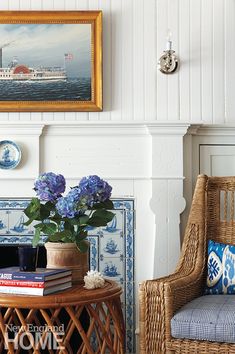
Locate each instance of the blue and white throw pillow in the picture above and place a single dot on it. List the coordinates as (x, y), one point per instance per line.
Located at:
(221, 268)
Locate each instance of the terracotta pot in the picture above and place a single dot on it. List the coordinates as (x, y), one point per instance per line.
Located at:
(67, 255)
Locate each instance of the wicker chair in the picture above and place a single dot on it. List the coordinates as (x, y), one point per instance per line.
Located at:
(212, 216)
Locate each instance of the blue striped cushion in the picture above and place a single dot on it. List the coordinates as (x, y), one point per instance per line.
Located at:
(209, 317)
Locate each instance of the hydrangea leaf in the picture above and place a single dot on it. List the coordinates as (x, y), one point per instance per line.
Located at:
(83, 220)
(48, 229)
(33, 209)
(60, 236)
(44, 212)
(68, 226)
(100, 217)
(75, 220)
(108, 204)
(82, 235)
(36, 237)
(83, 246)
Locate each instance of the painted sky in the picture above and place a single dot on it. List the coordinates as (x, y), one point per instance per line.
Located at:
(45, 45)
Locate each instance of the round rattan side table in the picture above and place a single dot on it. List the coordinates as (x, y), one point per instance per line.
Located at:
(73, 321)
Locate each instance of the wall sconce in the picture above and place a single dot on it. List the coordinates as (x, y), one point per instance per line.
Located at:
(168, 62)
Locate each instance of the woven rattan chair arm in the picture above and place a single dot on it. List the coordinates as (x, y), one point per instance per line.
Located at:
(158, 300)
(156, 285)
(152, 322)
(180, 291)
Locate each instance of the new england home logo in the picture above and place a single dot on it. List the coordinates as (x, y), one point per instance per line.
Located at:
(30, 336)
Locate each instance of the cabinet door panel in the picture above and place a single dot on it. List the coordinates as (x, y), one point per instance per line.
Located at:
(217, 160)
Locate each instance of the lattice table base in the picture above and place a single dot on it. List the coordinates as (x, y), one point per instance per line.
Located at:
(90, 327)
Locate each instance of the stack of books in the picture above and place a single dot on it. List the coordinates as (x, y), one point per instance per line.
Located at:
(41, 282)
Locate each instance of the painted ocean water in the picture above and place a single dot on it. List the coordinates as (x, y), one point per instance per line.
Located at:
(69, 90)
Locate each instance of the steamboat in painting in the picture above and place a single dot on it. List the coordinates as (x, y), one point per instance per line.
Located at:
(21, 72)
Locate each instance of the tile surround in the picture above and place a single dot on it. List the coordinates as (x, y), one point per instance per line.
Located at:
(112, 249)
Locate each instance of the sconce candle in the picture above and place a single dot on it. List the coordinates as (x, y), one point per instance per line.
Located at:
(169, 40)
(169, 45)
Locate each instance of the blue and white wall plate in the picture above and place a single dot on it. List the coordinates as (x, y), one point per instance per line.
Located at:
(10, 154)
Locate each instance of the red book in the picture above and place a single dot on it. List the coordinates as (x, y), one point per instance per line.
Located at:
(35, 284)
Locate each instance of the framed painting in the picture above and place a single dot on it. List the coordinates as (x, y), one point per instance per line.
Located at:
(50, 61)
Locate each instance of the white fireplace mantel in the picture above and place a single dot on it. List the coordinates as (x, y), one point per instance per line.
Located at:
(141, 159)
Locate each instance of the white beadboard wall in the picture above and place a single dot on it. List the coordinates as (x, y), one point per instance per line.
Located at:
(134, 37)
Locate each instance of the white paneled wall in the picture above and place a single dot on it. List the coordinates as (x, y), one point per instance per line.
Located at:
(134, 37)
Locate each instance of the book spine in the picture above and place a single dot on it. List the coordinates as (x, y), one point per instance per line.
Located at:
(27, 277)
(21, 290)
(21, 283)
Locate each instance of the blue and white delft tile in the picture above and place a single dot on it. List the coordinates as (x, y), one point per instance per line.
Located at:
(13, 239)
(4, 204)
(112, 245)
(130, 341)
(16, 223)
(121, 281)
(3, 240)
(18, 203)
(129, 321)
(118, 204)
(125, 204)
(4, 225)
(130, 269)
(129, 293)
(112, 268)
(116, 225)
(94, 252)
(129, 234)
(129, 204)
(23, 239)
(92, 230)
(130, 328)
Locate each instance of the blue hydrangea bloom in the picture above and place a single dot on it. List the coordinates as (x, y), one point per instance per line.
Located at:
(49, 186)
(91, 190)
(94, 189)
(67, 206)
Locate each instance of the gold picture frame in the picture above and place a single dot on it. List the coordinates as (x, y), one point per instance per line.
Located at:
(56, 64)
